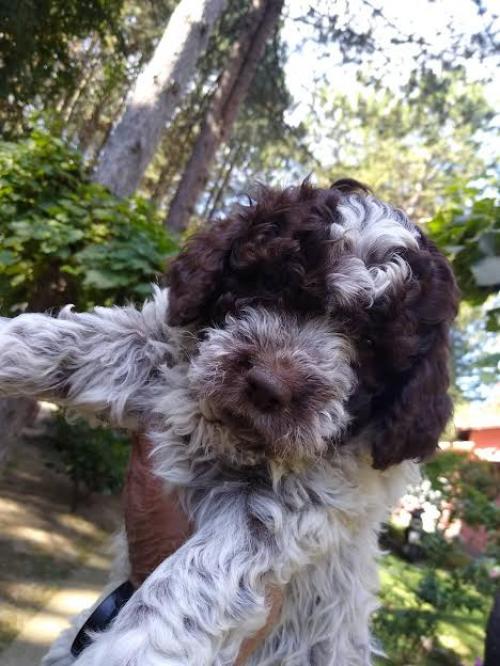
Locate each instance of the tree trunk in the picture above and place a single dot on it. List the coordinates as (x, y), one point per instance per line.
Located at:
(86, 65)
(155, 96)
(162, 183)
(221, 186)
(232, 89)
(94, 152)
(15, 415)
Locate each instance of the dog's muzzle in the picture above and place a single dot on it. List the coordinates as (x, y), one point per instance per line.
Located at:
(280, 385)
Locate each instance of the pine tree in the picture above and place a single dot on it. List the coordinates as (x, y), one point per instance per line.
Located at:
(155, 96)
(234, 83)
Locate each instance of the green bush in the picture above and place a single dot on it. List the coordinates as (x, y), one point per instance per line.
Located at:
(402, 632)
(470, 487)
(449, 591)
(65, 239)
(95, 459)
(467, 229)
(425, 611)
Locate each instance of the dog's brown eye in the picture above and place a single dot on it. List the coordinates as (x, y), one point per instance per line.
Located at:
(202, 335)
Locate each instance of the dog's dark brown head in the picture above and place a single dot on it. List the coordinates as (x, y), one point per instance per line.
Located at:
(323, 314)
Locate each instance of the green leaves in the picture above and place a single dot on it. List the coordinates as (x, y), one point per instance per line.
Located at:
(38, 45)
(94, 457)
(411, 146)
(423, 604)
(468, 231)
(63, 238)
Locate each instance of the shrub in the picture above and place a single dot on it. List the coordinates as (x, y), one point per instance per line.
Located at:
(467, 231)
(65, 239)
(403, 631)
(95, 459)
(448, 583)
(470, 487)
(425, 611)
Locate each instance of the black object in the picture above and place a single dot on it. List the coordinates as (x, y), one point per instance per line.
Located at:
(102, 616)
(492, 642)
(412, 548)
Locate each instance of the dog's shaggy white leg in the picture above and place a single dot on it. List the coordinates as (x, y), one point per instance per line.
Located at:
(198, 605)
(106, 363)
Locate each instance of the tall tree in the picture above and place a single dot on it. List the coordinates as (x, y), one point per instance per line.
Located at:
(116, 66)
(234, 83)
(15, 415)
(156, 95)
(36, 50)
(411, 148)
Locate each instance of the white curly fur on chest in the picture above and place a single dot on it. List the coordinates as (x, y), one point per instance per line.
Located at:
(328, 603)
(325, 521)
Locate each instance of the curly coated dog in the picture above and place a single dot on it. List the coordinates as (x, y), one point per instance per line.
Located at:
(290, 378)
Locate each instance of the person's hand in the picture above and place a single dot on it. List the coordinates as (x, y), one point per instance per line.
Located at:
(157, 526)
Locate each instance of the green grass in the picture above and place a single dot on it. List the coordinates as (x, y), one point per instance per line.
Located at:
(459, 631)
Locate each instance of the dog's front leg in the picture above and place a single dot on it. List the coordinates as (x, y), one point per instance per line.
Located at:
(106, 363)
(199, 605)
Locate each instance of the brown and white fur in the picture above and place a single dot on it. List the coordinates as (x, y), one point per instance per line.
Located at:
(290, 378)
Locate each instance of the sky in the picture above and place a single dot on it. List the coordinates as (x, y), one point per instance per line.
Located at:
(429, 18)
(309, 61)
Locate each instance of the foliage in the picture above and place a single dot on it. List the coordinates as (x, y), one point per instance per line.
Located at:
(401, 630)
(468, 230)
(95, 459)
(77, 59)
(64, 239)
(263, 145)
(420, 602)
(36, 45)
(470, 487)
(97, 49)
(261, 142)
(409, 144)
(410, 148)
(419, 623)
(476, 350)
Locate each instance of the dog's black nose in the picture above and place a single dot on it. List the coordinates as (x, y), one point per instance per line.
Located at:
(267, 391)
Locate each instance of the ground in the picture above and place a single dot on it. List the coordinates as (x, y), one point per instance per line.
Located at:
(461, 631)
(42, 543)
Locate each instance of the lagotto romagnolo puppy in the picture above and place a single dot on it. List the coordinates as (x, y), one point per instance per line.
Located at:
(289, 378)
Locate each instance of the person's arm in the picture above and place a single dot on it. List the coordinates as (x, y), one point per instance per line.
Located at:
(156, 526)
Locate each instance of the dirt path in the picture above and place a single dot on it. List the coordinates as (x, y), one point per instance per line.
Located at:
(41, 542)
(78, 591)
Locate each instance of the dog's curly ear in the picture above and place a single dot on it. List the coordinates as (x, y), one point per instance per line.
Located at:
(414, 411)
(194, 275)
